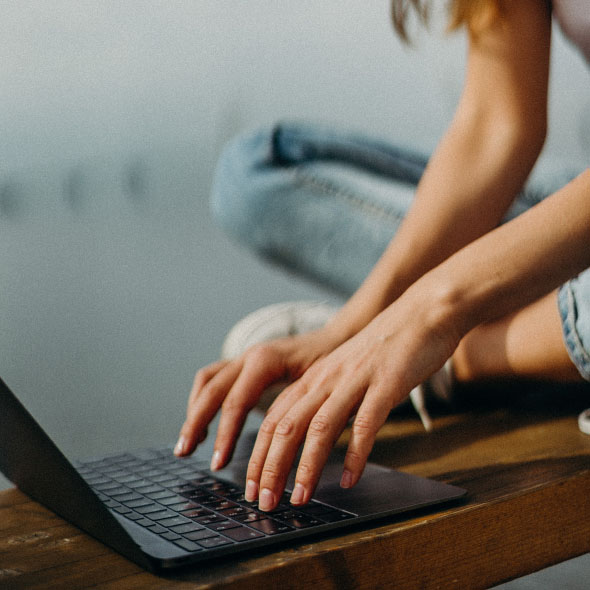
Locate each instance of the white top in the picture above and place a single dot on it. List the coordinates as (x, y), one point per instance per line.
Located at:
(574, 19)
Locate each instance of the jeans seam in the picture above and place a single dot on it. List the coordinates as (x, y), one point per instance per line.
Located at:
(327, 187)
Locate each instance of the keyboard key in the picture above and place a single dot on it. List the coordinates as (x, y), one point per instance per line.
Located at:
(160, 514)
(160, 495)
(224, 526)
(213, 542)
(111, 488)
(97, 480)
(208, 500)
(126, 497)
(148, 508)
(111, 504)
(134, 516)
(198, 535)
(270, 527)
(170, 536)
(164, 479)
(235, 511)
(138, 503)
(183, 488)
(175, 482)
(149, 489)
(181, 506)
(207, 520)
(249, 517)
(128, 478)
(175, 499)
(140, 483)
(156, 528)
(175, 521)
(186, 544)
(196, 512)
(123, 510)
(242, 534)
(187, 528)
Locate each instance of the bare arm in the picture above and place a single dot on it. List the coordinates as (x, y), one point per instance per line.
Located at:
(480, 164)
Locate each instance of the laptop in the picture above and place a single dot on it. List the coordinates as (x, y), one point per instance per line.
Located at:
(164, 512)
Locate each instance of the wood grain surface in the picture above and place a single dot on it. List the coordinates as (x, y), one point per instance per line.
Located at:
(516, 448)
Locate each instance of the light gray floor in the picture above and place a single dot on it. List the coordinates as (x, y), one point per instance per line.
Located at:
(116, 288)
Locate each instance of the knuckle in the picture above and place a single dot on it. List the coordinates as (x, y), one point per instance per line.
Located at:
(231, 405)
(305, 471)
(201, 377)
(268, 426)
(319, 425)
(285, 427)
(260, 354)
(362, 426)
(254, 467)
(212, 391)
(270, 475)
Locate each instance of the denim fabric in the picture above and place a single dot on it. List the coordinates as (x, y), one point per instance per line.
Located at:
(574, 306)
(326, 203)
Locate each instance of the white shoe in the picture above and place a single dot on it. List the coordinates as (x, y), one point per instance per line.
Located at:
(297, 317)
(584, 421)
(276, 321)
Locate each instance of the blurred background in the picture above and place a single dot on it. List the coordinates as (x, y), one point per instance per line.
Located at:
(114, 285)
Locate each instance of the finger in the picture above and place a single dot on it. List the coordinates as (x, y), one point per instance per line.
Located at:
(287, 438)
(258, 372)
(203, 376)
(278, 409)
(206, 397)
(371, 415)
(324, 429)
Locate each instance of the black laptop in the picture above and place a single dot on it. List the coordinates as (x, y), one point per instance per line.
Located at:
(163, 512)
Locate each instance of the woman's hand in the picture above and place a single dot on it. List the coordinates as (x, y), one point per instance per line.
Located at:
(236, 385)
(366, 377)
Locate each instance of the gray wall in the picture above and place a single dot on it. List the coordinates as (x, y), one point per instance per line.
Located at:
(114, 287)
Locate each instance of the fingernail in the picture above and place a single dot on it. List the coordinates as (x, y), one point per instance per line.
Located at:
(346, 481)
(216, 461)
(180, 447)
(298, 494)
(267, 500)
(251, 492)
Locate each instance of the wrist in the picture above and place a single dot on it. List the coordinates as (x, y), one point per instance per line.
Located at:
(441, 302)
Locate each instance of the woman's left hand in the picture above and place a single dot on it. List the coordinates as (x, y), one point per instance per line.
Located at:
(366, 377)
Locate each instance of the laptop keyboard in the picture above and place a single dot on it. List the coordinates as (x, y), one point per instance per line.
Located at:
(183, 502)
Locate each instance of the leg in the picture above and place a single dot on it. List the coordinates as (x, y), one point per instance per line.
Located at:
(321, 203)
(529, 343)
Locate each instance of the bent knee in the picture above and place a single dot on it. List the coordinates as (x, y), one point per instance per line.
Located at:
(245, 178)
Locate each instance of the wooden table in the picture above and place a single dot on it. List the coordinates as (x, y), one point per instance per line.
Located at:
(517, 450)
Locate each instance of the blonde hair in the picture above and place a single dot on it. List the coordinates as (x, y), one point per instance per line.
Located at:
(476, 14)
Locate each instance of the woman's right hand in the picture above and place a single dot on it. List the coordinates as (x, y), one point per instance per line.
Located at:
(236, 386)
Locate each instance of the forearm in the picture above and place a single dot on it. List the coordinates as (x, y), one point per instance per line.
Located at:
(467, 187)
(516, 263)
(481, 163)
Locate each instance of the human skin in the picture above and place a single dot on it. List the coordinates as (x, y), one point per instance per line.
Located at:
(448, 278)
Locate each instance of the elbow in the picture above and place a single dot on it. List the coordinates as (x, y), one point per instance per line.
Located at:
(530, 135)
(521, 138)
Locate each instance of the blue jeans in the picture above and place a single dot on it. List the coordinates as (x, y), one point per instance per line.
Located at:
(326, 204)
